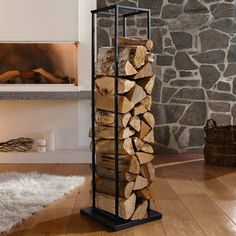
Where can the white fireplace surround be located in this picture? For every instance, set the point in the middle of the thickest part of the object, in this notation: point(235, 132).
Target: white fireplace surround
point(48, 21)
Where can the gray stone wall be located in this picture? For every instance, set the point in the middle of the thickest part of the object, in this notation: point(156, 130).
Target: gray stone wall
point(195, 48)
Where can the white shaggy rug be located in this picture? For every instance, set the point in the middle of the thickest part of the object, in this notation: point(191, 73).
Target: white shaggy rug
point(22, 194)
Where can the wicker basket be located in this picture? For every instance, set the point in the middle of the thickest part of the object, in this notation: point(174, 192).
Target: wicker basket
point(220, 144)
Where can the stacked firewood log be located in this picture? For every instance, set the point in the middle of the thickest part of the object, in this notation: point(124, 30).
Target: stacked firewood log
point(36, 76)
point(135, 132)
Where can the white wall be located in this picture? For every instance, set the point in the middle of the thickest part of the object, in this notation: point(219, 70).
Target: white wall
point(49, 20)
point(39, 20)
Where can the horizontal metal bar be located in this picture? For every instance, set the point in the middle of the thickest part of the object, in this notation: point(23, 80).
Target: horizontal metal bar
point(133, 13)
point(103, 9)
point(133, 8)
point(109, 14)
point(136, 9)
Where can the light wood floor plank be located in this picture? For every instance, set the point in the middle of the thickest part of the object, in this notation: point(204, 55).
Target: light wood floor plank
point(209, 217)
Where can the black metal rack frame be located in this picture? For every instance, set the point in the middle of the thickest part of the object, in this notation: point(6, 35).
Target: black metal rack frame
point(113, 222)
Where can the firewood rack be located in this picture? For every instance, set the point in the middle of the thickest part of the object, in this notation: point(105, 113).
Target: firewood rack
point(113, 221)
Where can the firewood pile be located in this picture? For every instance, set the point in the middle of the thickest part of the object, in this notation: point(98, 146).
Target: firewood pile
point(135, 122)
point(36, 76)
point(19, 145)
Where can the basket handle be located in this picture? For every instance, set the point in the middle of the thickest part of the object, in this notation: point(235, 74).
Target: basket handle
point(210, 124)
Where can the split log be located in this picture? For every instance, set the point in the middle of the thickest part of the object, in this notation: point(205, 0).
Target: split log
point(107, 146)
point(50, 77)
point(106, 118)
point(144, 157)
point(149, 138)
point(136, 94)
point(126, 206)
point(147, 102)
point(5, 77)
point(137, 143)
point(105, 85)
point(123, 41)
point(149, 119)
point(141, 211)
point(147, 84)
point(109, 173)
point(135, 54)
point(105, 132)
point(107, 186)
point(144, 71)
point(147, 171)
point(144, 130)
point(147, 148)
point(135, 123)
point(140, 183)
point(107, 103)
point(138, 109)
point(125, 68)
point(144, 193)
point(125, 164)
point(150, 57)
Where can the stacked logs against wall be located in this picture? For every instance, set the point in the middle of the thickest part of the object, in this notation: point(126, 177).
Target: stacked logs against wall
point(36, 76)
point(135, 128)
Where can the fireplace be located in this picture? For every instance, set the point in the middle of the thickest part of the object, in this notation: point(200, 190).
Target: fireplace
point(38, 63)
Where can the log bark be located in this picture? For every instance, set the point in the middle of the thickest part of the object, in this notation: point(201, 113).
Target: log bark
point(107, 146)
point(5, 77)
point(135, 123)
point(105, 132)
point(126, 163)
point(105, 85)
point(109, 173)
point(147, 102)
point(126, 206)
point(136, 94)
point(137, 143)
point(144, 130)
point(106, 118)
point(147, 148)
point(144, 157)
point(149, 119)
point(107, 186)
point(149, 138)
point(140, 183)
point(50, 77)
point(107, 103)
point(135, 54)
point(140, 211)
point(144, 193)
point(150, 57)
point(147, 171)
point(108, 68)
point(123, 41)
point(144, 71)
point(138, 109)
point(147, 84)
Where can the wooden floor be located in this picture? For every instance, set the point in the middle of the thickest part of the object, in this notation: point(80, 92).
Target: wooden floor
point(194, 199)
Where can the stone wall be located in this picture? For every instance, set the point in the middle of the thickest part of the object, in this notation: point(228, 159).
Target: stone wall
point(195, 48)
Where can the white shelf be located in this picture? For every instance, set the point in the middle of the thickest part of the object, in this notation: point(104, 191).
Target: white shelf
point(82, 155)
point(39, 88)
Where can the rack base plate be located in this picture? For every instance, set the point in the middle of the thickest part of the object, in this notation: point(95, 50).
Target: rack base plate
point(115, 224)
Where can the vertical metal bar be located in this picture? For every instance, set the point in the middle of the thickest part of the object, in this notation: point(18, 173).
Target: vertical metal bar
point(124, 26)
point(116, 111)
point(93, 113)
point(149, 37)
point(149, 24)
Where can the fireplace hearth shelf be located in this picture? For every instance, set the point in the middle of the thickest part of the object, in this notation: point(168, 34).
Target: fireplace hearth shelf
point(45, 95)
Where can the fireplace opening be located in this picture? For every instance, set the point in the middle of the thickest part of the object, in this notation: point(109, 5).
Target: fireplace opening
point(38, 63)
